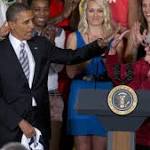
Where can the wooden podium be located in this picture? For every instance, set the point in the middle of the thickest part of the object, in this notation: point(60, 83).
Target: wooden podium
point(121, 129)
point(121, 140)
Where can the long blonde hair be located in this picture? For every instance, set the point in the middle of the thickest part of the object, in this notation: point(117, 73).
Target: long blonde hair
point(83, 24)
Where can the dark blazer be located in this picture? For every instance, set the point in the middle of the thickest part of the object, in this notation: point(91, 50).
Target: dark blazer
point(15, 94)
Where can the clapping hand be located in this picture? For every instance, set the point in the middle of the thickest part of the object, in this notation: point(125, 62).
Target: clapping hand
point(118, 38)
point(104, 42)
point(136, 37)
point(69, 7)
point(117, 42)
point(147, 55)
point(113, 39)
point(111, 1)
point(50, 33)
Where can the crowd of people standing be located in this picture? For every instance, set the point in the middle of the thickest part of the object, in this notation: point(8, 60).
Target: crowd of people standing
point(70, 25)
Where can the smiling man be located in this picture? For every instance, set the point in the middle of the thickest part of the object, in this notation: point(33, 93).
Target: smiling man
point(24, 100)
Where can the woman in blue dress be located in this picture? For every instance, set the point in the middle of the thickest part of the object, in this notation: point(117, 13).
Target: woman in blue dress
point(88, 132)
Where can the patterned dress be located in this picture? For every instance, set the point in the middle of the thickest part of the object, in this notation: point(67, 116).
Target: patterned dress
point(140, 80)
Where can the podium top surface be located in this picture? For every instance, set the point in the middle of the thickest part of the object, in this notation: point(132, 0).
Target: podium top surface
point(94, 101)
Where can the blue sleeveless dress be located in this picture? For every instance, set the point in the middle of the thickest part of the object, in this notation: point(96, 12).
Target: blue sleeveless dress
point(78, 124)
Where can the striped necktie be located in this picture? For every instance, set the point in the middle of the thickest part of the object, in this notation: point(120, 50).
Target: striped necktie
point(24, 61)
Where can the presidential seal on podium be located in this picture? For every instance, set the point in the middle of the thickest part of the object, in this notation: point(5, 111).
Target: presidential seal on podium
point(122, 100)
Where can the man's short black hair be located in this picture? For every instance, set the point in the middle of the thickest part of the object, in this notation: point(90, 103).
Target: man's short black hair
point(14, 9)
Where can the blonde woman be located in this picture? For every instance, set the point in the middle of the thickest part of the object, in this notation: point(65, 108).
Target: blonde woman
point(88, 132)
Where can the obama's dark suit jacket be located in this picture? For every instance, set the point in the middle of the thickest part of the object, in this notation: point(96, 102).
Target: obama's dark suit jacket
point(15, 94)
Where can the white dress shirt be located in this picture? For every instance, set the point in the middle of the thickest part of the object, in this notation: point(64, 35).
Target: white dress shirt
point(16, 46)
point(55, 68)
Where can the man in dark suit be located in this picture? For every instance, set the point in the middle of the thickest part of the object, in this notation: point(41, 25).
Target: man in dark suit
point(24, 64)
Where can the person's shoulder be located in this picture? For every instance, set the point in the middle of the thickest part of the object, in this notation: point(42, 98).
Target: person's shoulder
point(38, 39)
point(71, 40)
point(58, 30)
point(4, 42)
point(5, 46)
point(72, 36)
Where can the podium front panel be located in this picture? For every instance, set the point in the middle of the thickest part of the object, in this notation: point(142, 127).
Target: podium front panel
point(94, 101)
